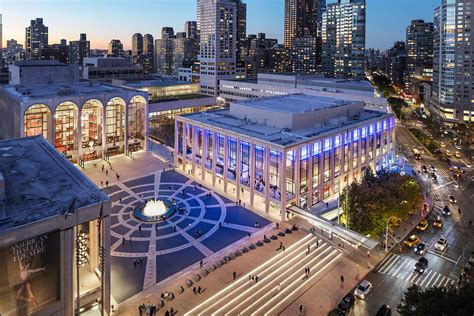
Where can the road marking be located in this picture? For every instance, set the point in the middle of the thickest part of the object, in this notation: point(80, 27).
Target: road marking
point(390, 260)
point(384, 261)
point(447, 282)
point(428, 283)
point(436, 281)
point(441, 256)
point(426, 277)
point(442, 280)
point(395, 270)
point(404, 265)
point(415, 275)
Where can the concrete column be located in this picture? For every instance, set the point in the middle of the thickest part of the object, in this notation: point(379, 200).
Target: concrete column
point(51, 130)
point(298, 175)
point(283, 186)
point(266, 173)
point(176, 141)
point(104, 128)
point(78, 133)
point(93, 246)
point(106, 277)
point(309, 181)
point(204, 151)
point(127, 111)
point(194, 150)
point(147, 125)
point(185, 146)
point(226, 160)
point(214, 157)
point(67, 271)
point(252, 172)
point(238, 170)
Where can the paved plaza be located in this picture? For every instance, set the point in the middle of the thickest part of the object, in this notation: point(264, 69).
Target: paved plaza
point(143, 254)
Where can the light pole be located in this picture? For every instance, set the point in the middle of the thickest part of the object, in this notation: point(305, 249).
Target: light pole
point(386, 231)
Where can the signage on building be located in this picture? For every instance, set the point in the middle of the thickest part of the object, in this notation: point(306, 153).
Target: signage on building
point(29, 275)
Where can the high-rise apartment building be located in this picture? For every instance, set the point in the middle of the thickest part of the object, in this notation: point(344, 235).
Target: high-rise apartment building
point(167, 32)
point(452, 97)
point(419, 45)
point(395, 61)
point(80, 49)
point(147, 59)
point(115, 48)
point(343, 39)
point(218, 33)
point(59, 52)
point(1, 32)
point(190, 27)
point(36, 38)
point(137, 44)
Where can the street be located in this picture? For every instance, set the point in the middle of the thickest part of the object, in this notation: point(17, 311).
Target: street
point(396, 272)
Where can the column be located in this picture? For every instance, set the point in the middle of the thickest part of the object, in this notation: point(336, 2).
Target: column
point(126, 126)
point(283, 185)
point(214, 157)
point(309, 181)
point(252, 172)
point(193, 149)
point(226, 160)
point(78, 133)
point(185, 146)
point(104, 129)
point(204, 153)
point(298, 175)
point(266, 169)
point(51, 130)
point(238, 169)
point(176, 141)
point(147, 124)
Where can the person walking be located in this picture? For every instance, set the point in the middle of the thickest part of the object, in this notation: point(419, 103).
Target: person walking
point(234, 274)
point(342, 279)
point(301, 309)
point(200, 264)
point(308, 249)
point(256, 278)
point(199, 290)
point(278, 288)
point(194, 290)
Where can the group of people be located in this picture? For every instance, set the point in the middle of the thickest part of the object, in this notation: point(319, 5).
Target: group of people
point(138, 262)
point(106, 171)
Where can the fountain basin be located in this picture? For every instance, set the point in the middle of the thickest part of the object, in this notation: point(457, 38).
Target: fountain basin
point(154, 210)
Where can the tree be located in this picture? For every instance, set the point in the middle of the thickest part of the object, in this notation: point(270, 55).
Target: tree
point(437, 301)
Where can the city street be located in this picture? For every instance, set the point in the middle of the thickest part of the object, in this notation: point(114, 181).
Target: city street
point(396, 272)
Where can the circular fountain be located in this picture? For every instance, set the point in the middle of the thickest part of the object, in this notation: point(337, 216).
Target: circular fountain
point(154, 210)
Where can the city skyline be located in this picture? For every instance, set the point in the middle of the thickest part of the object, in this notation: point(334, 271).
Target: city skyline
point(381, 15)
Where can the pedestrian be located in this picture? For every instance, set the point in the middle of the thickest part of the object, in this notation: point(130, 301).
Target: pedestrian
point(167, 313)
point(234, 274)
point(140, 228)
point(459, 210)
point(327, 205)
point(256, 279)
point(199, 290)
point(249, 234)
point(102, 168)
point(277, 226)
point(101, 183)
point(220, 224)
point(281, 245)
point(309, 270)
point(123, 240)
point(317, 243)
point(194, 290)
point(107, 172)
point(264, 237)
point(250, 277)
point(278, 288)
point(342, 279)
point(308, 248)
point(107, 183)
point(470, 223)
point(368, 254)
point(301, 309)
point(284, 248)
point(118, 176)
point(200, 264)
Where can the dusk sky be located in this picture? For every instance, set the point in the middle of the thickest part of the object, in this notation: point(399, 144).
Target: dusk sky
point(104, 20)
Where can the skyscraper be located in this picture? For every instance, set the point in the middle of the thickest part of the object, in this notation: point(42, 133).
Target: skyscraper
point(167, 32)
point(80, 49)
point(452, 91)
point(1, 32)
point(190, 27)
point(147, 60)
point(59, 52)
point(301, 19)
point(419, 52)
point(36, 38)
point(218, 33)
point(115, 48)
point(343, 39)
point(241, 30)
point(137, 44)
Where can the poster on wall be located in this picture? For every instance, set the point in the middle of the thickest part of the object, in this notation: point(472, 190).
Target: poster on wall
point(29, 275)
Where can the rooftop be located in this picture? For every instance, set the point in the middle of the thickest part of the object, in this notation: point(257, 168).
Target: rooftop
point(82, 88)
point(40, 183)
point(155, 83)
point(39, 63)
point(295, 103)
point(312, 117)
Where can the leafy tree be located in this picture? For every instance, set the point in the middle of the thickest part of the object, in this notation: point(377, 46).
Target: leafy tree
point(437, 301)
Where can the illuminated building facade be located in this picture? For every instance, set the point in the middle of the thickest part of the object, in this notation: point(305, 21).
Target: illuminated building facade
point(277, 151)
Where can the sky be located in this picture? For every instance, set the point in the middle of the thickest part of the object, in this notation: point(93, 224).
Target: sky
point(103, 20)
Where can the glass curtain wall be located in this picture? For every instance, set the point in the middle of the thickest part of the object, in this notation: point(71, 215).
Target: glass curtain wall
point(36, 120)
point(290, 173)
point(220, 154)
point(232, 158)
point(259, 168)
point(274, 165)
point(245, 163)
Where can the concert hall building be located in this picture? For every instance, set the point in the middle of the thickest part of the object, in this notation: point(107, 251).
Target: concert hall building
point(274, 152)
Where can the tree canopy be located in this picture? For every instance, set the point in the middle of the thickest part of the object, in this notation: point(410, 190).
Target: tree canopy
point(437, 301)
point(377, 198)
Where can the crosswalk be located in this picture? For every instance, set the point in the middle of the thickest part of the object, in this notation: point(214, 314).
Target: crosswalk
point(402, 268)
point(280, 281)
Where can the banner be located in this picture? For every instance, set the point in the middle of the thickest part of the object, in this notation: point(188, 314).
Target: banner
point(30, 275)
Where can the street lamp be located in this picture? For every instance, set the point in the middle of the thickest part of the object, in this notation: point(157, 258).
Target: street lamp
point(386, 231)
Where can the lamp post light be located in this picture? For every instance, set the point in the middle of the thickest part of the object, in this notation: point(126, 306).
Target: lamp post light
point(386, 231)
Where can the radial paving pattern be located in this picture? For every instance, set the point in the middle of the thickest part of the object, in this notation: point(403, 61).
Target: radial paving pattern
point(204, 225)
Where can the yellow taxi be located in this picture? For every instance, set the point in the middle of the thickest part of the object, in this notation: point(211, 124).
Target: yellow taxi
point(423, 225)
point(457, 154)
point(447, 153)
point(438, 223)
point(412, 241)
point(442, 145)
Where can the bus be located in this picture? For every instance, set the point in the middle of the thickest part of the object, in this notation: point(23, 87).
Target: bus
point(416, 154)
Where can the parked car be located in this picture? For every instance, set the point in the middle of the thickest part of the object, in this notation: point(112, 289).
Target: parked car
point(384, 310)
point(446, 211)
point(452, 199)
point(434, 176)
point(421, 265)
point(420, 248)
point(423, 225)
point(363, 289)
point(412, 241)
point(441, 244)
point(346, 304)
point(438, 223)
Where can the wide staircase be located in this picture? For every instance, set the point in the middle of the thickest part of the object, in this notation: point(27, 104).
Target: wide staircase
point(281, 280)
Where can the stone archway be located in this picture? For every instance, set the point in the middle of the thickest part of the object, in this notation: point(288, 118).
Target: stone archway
point(37, 121)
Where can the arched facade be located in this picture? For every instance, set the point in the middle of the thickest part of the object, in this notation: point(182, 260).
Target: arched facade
point(65, 128)
point(37, 121)
point(136, 131)
point(115, 118)
point(92, 134)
